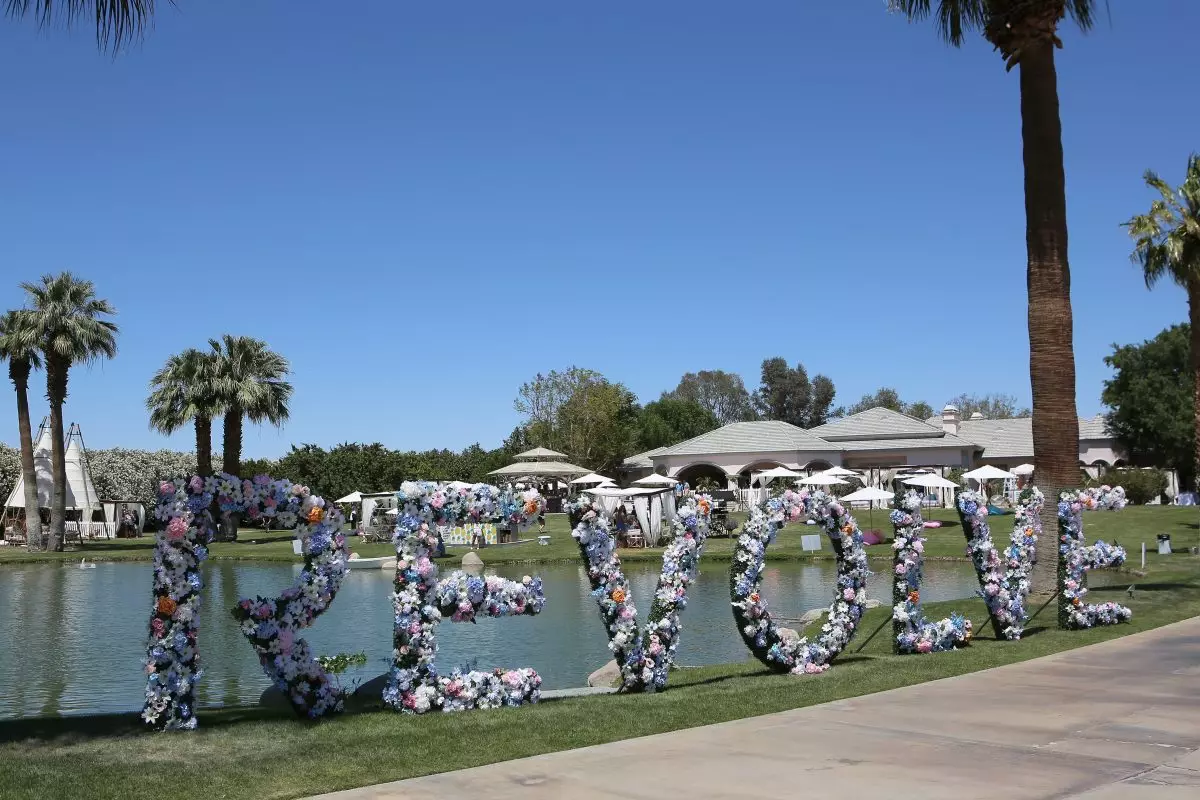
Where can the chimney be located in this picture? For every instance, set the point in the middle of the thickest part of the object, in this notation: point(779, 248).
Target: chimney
point(976, 415)
point(950, 420)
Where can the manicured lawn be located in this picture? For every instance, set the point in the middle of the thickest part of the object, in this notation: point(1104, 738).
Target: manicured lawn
point(253, 753)
point(1130, 527)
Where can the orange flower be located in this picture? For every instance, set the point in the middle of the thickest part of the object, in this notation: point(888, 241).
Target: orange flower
point(618, 595)
point(1076, 601)
point(847, 529)
point(166, 605)
point(914, 596)
point(316, 514)
point(531, 507)
point(703, 506)
point(754, 597)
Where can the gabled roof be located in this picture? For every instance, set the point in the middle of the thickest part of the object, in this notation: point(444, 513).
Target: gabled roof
point(642, 460)
point(918, 442)
point(1094, 428)
point(751, 437)
point(1000, 438)
point(876, 423)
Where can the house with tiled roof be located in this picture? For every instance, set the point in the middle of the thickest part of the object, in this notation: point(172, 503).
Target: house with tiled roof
point(877, 440)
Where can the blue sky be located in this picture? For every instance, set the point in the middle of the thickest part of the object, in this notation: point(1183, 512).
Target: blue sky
point(405, 197)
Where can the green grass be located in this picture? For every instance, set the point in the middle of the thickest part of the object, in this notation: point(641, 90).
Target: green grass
point(256, 753)
point(1131, 527)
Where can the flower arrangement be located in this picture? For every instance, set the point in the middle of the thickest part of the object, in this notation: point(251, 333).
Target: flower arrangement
point(1027, 520)
point(798, 656)
point(271, 623)
point(1075, 559)
point(1103, 498)
point(913, 633)
point(645, 659)
point(420, 599)
point(1003, 580)
point(172, 655)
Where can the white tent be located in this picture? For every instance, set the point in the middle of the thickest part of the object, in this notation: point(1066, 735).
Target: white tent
point(353, 497)
point(81, 492)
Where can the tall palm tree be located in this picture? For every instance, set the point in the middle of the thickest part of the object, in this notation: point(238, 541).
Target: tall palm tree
point(1025, 32)
point(67, 319)
point(250, 384)
point(1167, 245)
point(18, 346)
point(118, 22)
point(184, 391)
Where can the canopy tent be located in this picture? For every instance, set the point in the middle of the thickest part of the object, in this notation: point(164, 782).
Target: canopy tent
point(353, 497)
point(115, 509)
point(592, 478)
point(81, 492)
point(540, 469)
point(538, 453)
point(656, 480)
point(1023, 469)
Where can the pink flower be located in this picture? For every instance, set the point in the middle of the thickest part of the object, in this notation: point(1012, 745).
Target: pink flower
point(166, 488)
point(197, 484)
point(812, 669)
point(919, 546)
point(437, 501)
point(286, 640)
point(924, 646)
point(176, 529)
point(848, 594)
point(901, 569)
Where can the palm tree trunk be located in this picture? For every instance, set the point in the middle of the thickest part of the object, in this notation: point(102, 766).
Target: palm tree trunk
point(1051, 348)
point(231, 463)
point(19, 372)
point(203, 446)
point(56, 393)
point(1193, 291)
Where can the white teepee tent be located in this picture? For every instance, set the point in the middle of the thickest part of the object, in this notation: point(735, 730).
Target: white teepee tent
point(81, 492)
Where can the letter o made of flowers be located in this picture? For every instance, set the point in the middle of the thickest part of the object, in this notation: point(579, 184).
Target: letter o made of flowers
point(644, 659)
point(758, 631)
point(421, 600)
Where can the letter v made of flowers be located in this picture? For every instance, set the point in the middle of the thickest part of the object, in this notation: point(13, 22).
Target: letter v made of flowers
point(644, 659)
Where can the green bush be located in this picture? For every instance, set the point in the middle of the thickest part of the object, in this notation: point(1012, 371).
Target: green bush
point(1141, 485)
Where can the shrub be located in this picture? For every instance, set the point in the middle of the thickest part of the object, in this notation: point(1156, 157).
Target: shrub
point(1141, 485)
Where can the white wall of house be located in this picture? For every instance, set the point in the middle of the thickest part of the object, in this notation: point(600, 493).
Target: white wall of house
point(733, 463)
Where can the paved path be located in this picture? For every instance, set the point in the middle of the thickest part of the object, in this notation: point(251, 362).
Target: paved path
point(1115, 720)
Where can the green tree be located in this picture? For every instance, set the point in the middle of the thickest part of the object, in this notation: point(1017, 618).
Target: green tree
point(124, 474)
point(10, 469)
point(118, 22)
point(19, 346)
point(786, 393)
point(920, 410)
point(1025, 32)
point(184, 390)
point(1152, 401)
point(989, 406)
point(671, 420)
point(888, 398)
point(722, 393)
point(68, 320)
point(598, 425)
point(1168, 246)
point(250, 384)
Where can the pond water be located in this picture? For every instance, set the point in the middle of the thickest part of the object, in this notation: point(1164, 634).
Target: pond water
point(72, 641)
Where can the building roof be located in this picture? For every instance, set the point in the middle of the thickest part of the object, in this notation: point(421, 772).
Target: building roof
point(1094, 428)
point(642, 460)
point(540, 452)
point(914, 443)
point(876, 423)
point(541, 469)
point(751, 437)
point(1000, 438)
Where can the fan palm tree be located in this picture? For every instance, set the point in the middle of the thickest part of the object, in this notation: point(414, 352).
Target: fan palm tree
point(1167, 245)
point(250, 384)
point(67, 319)
point(18, 346)
point(118, 22)
point(1025, 32)
point(184, 391)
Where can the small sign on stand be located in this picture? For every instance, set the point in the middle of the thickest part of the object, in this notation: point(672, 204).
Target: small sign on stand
point(810, 542)
point(297, 547)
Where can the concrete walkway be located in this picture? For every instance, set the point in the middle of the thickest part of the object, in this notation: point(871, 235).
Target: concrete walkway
point(1114, 720)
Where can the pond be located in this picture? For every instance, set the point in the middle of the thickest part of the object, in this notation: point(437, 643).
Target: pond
point(72, 641)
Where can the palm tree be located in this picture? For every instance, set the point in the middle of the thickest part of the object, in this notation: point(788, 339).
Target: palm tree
point(1168, 246)
point(18, 345)
point(249, 384)
point(1025, 32)
point(66, 319)
point(118, 22)
point(183, 391)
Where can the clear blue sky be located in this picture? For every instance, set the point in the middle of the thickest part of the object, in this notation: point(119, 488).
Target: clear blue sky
point(402, 197)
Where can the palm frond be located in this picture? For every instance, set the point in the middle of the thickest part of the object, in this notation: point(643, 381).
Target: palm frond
point(1167, 237)
point(118, 22)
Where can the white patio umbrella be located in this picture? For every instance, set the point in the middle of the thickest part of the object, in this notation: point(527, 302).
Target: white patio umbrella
point(869, 494)
point(821, 479)
point(839, 472)
point(592, 478)
point(353, 497)
point(988, 473)
point(656, 480)
point(930, 481)
point(1023, 469)
point(768, 475)
point(460, 485)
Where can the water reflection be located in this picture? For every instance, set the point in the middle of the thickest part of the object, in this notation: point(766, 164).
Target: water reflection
point(72, 641)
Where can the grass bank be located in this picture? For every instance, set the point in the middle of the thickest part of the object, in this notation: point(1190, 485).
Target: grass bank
point(1130, 527)
point(255, 753)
